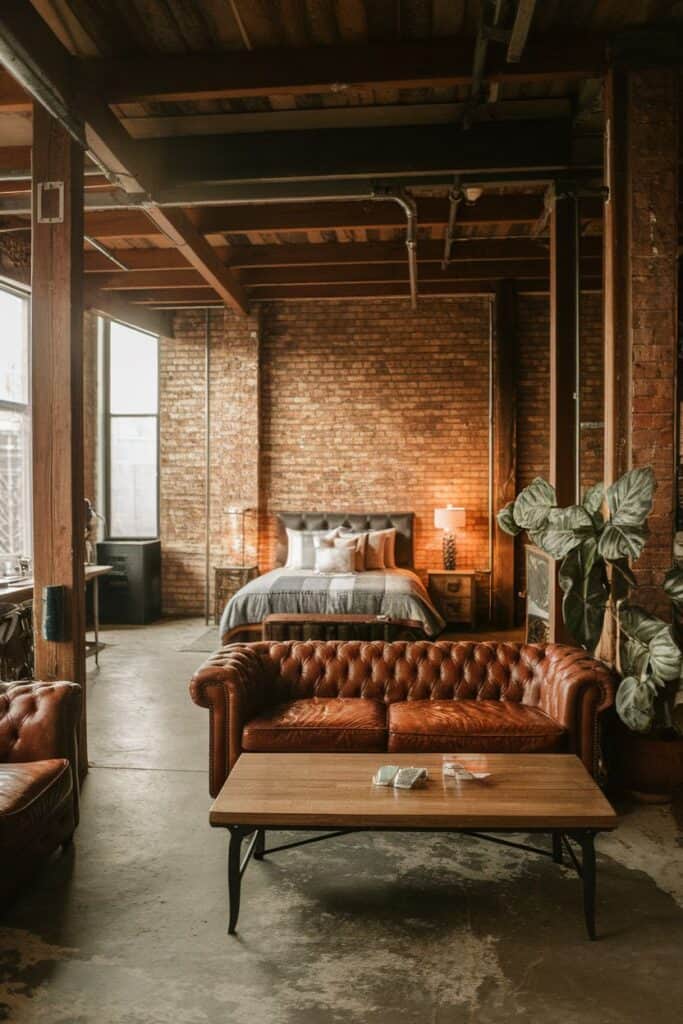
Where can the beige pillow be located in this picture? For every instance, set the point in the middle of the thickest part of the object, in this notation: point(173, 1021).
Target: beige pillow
point(301, 545)
point(355, 542)
point(334, 559)
point(379, 550)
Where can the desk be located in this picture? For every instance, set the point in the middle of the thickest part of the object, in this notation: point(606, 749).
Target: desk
point(22, 590)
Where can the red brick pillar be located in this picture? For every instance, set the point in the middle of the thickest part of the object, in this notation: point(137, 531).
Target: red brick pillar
point(653, 118)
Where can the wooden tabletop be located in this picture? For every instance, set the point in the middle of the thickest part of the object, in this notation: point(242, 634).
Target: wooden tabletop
point(22, 590)
point(525, 791)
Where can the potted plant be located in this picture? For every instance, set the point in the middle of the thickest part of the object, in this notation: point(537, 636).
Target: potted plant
point(595, 543)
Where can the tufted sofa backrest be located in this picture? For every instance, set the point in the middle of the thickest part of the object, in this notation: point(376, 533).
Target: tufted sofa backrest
point(405, 670)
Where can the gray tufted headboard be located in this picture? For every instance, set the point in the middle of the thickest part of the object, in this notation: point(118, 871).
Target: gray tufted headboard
point(403, 522)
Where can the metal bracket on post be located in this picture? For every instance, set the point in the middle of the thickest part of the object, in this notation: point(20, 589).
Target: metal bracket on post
point(47, 201)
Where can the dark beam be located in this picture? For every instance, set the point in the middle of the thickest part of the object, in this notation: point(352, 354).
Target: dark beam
point(264, 277)
point(119, 307)
point(339, 253)
point(436, 64)
point(505, 360)
point(381, 153)
point(57, 402)
point(13, 99)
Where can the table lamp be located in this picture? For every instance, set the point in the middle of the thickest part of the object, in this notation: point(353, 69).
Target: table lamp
point(449, 520)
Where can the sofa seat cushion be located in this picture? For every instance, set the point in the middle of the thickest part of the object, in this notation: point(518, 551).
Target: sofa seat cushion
point(476, 726)
point(31, 794)
point(319, 725)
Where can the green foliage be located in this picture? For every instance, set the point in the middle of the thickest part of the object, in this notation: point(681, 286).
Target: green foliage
point(583, 580)
point(673, 586)
point(506, 520)
point(586, 542)
point(636, 703)
point(533, 504)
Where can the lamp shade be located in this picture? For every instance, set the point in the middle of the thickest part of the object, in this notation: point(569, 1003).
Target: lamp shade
point(449, 518)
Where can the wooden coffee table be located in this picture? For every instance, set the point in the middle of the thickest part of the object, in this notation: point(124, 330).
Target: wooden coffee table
point(530, 793)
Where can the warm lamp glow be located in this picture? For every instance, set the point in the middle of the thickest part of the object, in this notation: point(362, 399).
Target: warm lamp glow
point(449, 519)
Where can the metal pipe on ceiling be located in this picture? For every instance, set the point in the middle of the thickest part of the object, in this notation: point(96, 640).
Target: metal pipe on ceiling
point(409, 207)
point(455, 198)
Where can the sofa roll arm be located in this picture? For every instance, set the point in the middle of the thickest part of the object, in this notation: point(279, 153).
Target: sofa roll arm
point(575, 690)
point(40, 720)
point(232, 684)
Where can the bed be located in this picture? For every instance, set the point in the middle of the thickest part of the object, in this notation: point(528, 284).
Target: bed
point(393, 597)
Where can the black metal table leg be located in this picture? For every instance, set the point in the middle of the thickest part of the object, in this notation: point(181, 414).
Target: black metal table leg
point(588, 878)
point(557, 847)
point(260, 844)
point(234, 876)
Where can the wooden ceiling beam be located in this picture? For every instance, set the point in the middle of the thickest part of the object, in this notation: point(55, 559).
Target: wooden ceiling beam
point(435, 64)
point(135, 283)
point(44, 66)
point(189, 164)
point(13, 98)
point(335, 254)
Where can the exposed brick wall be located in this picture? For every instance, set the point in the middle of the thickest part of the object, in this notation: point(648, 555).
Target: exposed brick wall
point(234, 436)
point(653, 166)
point(369, 406)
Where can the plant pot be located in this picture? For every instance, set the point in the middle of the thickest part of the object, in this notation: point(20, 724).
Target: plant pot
point(651, 767)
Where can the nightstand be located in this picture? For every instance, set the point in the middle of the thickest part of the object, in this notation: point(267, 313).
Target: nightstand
point(227, 581)
point(454, 592)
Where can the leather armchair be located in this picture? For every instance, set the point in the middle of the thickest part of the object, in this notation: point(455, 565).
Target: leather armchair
point(38, 774)
point(336, 696)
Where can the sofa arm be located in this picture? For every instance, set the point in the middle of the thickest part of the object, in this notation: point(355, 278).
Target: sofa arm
point(232, 684)
point(39, 721)
point(575, 689)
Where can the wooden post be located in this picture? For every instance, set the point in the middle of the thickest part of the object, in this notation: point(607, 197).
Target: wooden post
point(564, 302)
point(617, 279)
point(564, 340)
point(504, 448)
point(57, 361)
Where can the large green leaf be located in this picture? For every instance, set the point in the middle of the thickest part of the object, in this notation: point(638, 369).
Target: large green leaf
point(622, 541)
point(673, 585)
point(593, 501)
point(506, 520)
point(564, 530)
point(647, 646)
point(630, 498)
point(635, 703)
point(533, 504)
point(583, 581)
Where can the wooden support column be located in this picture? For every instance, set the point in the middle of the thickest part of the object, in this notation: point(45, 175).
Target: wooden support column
point(564, 333)
point(617, 280)
point(504, 447)
point(57, 358)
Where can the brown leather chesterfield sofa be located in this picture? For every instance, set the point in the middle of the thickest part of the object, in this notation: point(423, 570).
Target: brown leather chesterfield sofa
point(38, 775)
point(410, 697)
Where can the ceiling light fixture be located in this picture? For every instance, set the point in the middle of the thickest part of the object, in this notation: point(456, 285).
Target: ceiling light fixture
point(472, 194)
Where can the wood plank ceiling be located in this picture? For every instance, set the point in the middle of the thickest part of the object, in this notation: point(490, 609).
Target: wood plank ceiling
point(243, 138)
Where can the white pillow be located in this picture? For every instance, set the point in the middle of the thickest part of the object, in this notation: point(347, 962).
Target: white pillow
point(334, 559)
point(355, 542)
point(301, 547)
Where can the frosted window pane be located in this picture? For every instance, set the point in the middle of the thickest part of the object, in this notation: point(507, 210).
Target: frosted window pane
point(133, 477)
point(13, 348)
point(133, 386)
point(15, 484)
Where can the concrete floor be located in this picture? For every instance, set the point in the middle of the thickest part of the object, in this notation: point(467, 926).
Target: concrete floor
point(129, 926)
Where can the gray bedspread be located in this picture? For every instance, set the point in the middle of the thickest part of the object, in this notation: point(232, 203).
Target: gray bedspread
point(396, 593)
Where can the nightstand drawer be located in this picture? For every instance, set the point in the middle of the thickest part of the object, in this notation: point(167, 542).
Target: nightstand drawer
point(456, 610)
point(452, 587)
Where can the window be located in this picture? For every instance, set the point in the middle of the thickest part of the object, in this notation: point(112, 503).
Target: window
point(131, 404)
point(15, 428)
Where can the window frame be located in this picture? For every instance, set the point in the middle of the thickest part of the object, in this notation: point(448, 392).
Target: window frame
point(24, 409)
point(108, 416)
